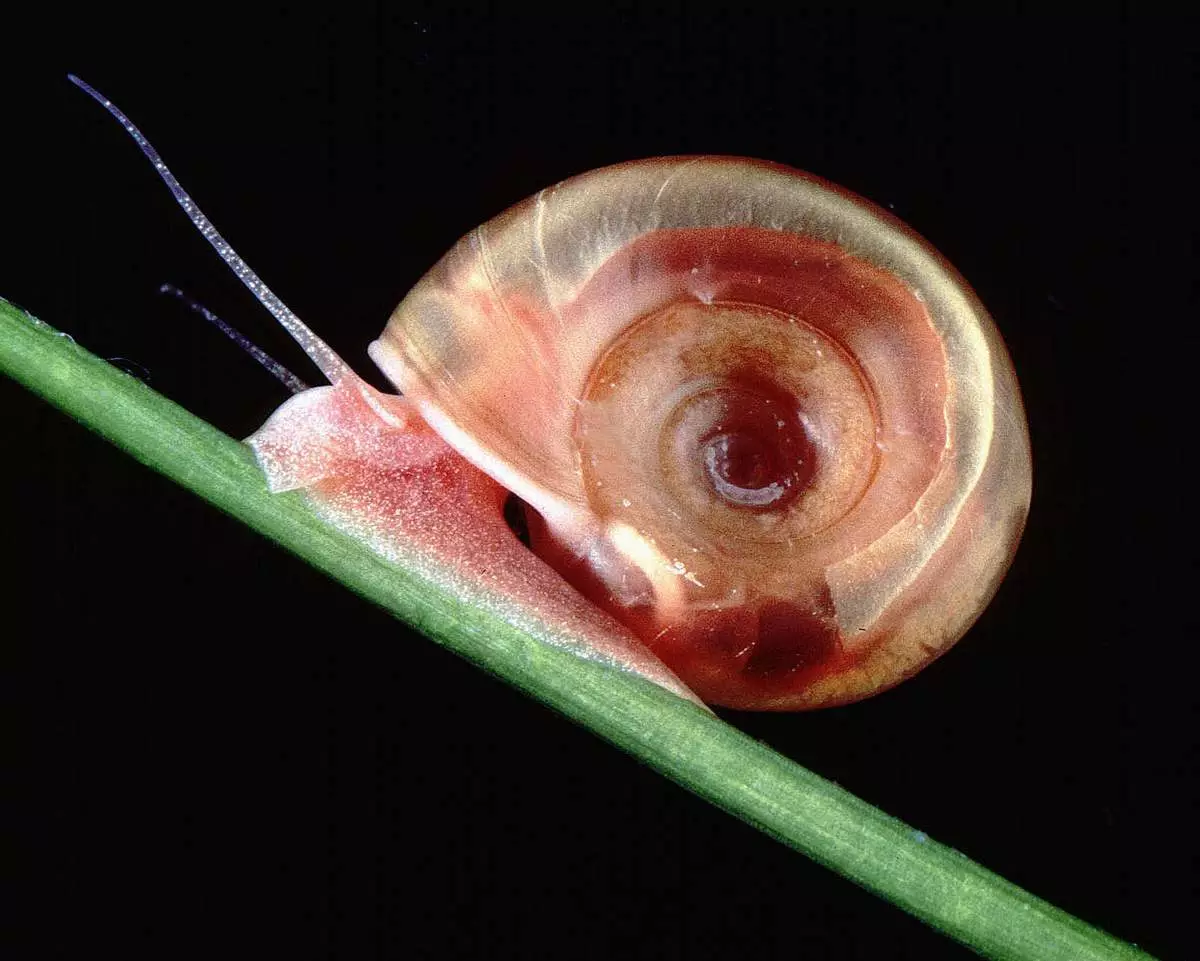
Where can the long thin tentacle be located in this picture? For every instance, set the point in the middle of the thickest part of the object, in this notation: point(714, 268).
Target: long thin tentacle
point(281, 373)
point(331, 365)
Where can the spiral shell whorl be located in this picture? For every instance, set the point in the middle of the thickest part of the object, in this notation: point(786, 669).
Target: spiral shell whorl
point(763, 423)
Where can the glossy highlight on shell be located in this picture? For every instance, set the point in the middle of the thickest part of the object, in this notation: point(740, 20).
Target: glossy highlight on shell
point(755, 418)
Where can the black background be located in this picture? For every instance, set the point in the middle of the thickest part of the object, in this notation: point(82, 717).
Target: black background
point(221, 753)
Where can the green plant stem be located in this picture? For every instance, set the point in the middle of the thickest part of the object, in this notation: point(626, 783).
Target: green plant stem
point(695, 749)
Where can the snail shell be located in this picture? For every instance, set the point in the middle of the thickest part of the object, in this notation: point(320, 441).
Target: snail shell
point(755, 418)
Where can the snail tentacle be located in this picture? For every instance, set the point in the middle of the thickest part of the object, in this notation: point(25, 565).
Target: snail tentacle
point(321, 354)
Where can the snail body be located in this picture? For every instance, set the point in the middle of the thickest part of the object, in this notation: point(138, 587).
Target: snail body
point(771, 446)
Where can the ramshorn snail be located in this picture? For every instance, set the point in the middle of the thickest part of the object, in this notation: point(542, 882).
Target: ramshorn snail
point(771, 445)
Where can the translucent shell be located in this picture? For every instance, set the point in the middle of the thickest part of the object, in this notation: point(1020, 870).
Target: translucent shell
point(760, 422)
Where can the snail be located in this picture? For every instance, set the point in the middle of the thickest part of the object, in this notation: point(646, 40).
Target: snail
point(769, 446)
